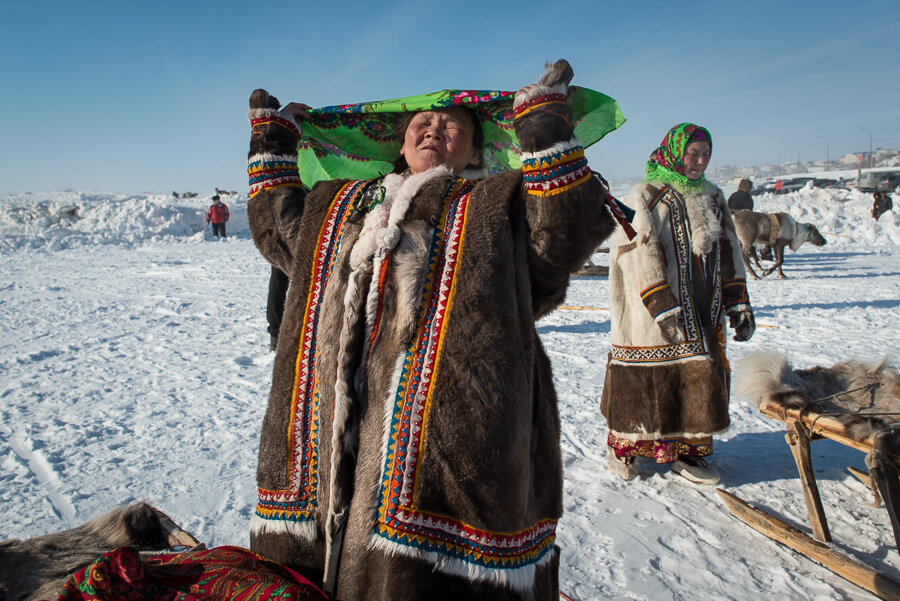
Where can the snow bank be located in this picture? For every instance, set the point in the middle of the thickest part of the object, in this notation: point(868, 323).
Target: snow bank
point(844, 217)
point(71, 219)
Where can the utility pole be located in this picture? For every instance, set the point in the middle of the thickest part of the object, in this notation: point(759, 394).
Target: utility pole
point(826, 152)
point(870, 145)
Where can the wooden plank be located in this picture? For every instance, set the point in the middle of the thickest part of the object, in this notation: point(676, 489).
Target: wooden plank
point(846, 567)
point(798, 439)
point(819, 425)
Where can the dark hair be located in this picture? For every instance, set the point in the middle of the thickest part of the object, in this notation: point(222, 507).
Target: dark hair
point(400, 165)
point(215, 197)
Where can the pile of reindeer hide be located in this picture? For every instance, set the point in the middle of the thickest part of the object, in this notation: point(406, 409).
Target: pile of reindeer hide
point(864, 397)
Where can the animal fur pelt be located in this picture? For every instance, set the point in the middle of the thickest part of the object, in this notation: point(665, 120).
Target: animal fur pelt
point(776, 230)
point(865, 397)
point(37, 568)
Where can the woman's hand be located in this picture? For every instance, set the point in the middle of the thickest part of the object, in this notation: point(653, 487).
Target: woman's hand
point(299, 110)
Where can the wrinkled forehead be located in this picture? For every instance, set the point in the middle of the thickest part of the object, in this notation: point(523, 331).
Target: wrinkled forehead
point(454, 113)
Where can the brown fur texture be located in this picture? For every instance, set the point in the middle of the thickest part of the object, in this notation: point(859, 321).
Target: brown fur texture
point(861, 395)
point(36, 568)
point(756, 228)
point(491, 454)
point(655, 402)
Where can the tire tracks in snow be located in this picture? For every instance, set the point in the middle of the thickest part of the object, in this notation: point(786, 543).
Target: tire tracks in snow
point(42, 471)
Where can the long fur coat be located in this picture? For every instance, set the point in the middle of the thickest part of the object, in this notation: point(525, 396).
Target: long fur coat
point(412, 429)
point(684, 261)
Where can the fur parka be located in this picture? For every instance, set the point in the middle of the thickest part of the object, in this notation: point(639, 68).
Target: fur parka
point(412, 431)
point(683, 267)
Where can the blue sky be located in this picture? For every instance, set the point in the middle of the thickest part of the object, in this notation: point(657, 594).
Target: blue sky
point(152, 97)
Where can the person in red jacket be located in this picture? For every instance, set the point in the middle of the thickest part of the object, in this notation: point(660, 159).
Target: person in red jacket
point(218, 215)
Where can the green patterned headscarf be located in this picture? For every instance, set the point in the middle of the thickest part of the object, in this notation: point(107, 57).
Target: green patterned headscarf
point(666, 163)
point(358, 141)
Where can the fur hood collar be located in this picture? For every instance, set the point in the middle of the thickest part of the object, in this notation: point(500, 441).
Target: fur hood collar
point(703, 214)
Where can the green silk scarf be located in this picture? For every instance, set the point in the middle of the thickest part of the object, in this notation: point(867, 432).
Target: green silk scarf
point(357, 141)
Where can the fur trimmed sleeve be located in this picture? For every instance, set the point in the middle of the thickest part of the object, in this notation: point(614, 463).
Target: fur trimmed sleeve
point(564, 204)
point(734, 277)
point(277, 195)
point(643, 261)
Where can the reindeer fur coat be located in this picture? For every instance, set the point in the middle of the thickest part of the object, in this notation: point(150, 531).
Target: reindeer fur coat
point(685, 259)
point(412, 429)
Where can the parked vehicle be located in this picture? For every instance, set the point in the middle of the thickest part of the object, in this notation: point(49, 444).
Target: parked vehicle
point(878, 181)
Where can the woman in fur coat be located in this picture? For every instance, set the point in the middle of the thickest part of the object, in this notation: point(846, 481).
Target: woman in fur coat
point(410, 449)
point(671, 287)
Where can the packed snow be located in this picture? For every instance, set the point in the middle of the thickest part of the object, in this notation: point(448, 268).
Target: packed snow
point(135, 366)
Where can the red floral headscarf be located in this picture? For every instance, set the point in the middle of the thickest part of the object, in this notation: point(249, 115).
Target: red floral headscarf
point(667, 162)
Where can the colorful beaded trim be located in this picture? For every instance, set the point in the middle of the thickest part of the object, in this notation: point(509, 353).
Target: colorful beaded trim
point(533, 103)
point(399, 522)
point(275, 172)
point(556, 172)
point(662, 450)
point(298, 501)
point(277, 120)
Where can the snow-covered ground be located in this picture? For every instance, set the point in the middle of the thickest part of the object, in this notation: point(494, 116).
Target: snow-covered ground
point(134, 364)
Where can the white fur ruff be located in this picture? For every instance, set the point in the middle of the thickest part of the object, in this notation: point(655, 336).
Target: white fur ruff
point(558, 148)
point(273, 158)
point(305, 530)
point(705, 226)
point(519, 579)
point(645, 435)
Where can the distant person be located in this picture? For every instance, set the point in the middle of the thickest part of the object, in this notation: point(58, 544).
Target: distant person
point(778, 185)
point(672, 289)
point(278, 285)
point(217, 215)
point(882, 204)
point(741, 200)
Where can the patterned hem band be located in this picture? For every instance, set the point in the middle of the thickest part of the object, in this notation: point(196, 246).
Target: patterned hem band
point(283, 505)
point(556, 172)
point(272, 172)
point(277, 120)
point(533, 103)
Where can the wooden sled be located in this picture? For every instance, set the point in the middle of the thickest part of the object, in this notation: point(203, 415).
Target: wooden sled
point(591, 269)
point(804, 426)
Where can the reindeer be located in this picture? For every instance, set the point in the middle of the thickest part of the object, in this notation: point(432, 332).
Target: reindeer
point(775, 229)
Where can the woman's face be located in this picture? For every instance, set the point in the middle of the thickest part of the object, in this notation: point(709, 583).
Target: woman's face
point(696, 159)
point(440, 137)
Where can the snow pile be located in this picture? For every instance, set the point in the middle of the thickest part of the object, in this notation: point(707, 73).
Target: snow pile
point(70, 219)
point(844, 217)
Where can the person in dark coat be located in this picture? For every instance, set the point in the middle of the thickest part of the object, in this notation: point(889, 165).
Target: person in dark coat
point(741, 200)
point(882, 204)
point(278, 287)
point(410, 448)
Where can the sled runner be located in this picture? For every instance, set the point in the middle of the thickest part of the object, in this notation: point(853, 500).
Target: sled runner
point(851, 403)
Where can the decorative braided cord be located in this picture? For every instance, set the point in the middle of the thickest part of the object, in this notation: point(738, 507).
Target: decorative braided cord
point(276, 120)
point(538, 101)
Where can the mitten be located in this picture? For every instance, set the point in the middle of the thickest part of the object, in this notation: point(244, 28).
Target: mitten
point(671, 325)
point(743, 324)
